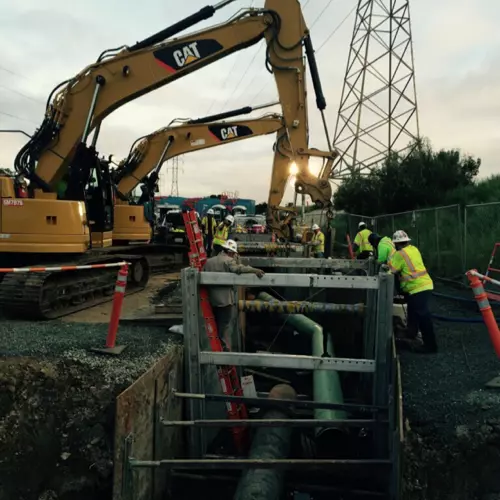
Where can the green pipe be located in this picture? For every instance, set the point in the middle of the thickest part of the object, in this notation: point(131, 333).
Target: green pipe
point(296, 307)
point(268, 443)
point(326, 384)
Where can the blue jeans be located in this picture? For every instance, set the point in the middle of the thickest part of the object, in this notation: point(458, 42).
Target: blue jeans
point(319, 255)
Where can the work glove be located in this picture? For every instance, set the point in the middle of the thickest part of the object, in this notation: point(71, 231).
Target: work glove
point(259, 273)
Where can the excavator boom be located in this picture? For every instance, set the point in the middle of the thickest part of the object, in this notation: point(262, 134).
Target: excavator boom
point(101, 88)
point(153, 150)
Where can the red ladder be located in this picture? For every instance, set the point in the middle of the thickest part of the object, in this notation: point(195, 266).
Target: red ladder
point(228, 376)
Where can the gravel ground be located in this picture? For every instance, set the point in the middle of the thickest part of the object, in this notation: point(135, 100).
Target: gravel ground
point(453, 443)
point(72, 341)
point(57, 405)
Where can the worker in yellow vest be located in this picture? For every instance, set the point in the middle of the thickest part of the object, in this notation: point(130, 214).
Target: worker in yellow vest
point(221, 234)
point(383, 246)
point(208, 226)
point(362, 247)
point(417, 286)
point(318, 242)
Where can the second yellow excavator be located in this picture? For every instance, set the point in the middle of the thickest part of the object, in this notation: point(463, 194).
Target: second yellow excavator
point(149, 153)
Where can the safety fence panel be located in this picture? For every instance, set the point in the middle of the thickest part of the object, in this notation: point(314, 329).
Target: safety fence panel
point(482, 231)
point(435, 231)
point(345, 223)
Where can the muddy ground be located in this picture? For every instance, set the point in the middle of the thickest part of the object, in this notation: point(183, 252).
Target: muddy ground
point(453, 420)
point(57, 405)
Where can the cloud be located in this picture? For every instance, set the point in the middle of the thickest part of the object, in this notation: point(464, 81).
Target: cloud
point(457, 50)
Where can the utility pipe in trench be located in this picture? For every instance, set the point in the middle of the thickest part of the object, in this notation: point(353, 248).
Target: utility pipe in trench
point(268, 443)
point(326, 384)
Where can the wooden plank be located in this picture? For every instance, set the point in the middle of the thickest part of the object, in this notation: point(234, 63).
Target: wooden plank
point(138, 410)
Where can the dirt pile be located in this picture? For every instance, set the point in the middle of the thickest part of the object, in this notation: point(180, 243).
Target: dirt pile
point(463, 468)
point(56, 430)
point(57, 406)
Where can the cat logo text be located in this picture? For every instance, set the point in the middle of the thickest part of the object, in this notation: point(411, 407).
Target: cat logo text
point(187, 54)
point(229, 133)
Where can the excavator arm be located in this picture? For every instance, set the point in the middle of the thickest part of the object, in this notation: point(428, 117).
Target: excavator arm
point(286, 60)
point(85, 100)
point(149, 153)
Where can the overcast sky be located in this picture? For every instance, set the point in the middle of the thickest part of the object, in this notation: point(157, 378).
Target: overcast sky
point(457, 56)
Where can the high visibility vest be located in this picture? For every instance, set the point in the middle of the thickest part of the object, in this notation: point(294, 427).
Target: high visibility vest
point(409, 264)
point(221, 234)
point(362, 241)
point(385, 250)
point(318, 241)
point(206, 225)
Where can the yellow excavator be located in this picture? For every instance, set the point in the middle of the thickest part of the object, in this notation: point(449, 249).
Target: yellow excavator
point(149, 153)
point(65, 220)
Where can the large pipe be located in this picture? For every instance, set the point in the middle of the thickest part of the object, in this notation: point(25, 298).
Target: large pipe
point(295, 307)
point(326, 385)
point(268, 443)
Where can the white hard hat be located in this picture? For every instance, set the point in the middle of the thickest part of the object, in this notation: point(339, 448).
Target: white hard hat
point(231, 245)
point(400, 236)
point(230, 218)
point(361, 224)
point(210, 211)
point(314, 227)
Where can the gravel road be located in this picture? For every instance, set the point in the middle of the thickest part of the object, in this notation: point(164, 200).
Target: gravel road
point(447, 390)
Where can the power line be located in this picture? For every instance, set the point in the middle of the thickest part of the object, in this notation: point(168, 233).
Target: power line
point(337, 28)
point(3, 68)
point(230, 72)
point(21, 94)
point(320, 14)
point(242, 76)
point(228, 76)
point(321, 46)
point(18, 117)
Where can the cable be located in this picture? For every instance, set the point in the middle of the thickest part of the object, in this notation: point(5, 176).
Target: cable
point(336, 29)
point(3, 68)
point(230, 72)
point(320, 14)
point(21, 94)
point(319, 48)
point(242, 76)
point(18, 117)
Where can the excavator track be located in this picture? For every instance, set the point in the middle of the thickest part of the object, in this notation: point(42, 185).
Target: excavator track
point(51, 295)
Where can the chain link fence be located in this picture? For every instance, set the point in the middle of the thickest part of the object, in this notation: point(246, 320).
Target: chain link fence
point(482, 231)
point(452, 239)
point(437, 232)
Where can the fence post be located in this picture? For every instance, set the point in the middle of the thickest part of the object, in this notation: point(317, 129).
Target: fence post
point(436, 222)
point(465, 240)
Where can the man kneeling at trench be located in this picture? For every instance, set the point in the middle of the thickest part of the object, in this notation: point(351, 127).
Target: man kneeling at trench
point(222, 298)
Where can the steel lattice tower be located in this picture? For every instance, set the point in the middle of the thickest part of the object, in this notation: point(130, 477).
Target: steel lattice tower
point(174, 166)
point(378, 108)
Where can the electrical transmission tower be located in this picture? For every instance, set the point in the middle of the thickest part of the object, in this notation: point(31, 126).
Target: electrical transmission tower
point(378, 108)
point(174, 167)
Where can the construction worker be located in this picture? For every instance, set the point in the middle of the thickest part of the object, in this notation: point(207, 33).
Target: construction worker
point(384, 247)
point(318, 242)
point(417, 286)
point(222, 298)
point(208, 225)
point(221, 234)
point(361, 245)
